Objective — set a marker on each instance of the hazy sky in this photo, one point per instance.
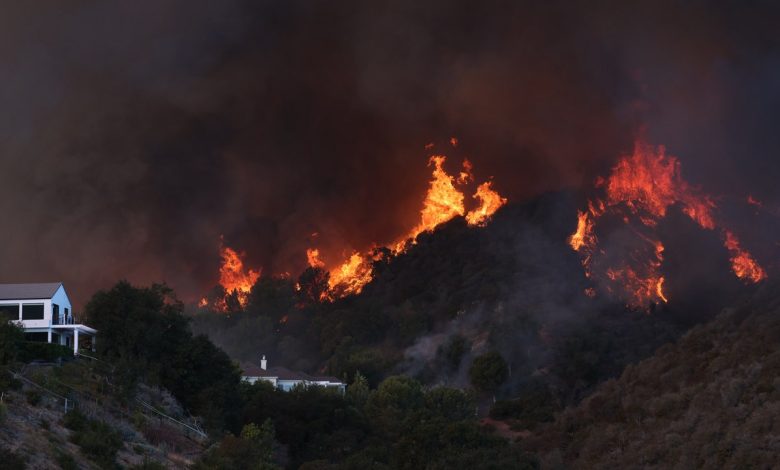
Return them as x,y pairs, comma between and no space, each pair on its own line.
134,134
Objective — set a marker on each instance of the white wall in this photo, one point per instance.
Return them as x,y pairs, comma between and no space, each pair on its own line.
60,298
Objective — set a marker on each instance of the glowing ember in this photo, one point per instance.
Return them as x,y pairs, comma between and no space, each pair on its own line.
743,264
753,201
233,277
642,187
490,202
466,176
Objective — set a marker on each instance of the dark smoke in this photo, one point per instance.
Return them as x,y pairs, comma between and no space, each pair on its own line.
133,136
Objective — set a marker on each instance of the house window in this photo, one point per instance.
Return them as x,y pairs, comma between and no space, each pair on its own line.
10,311
55,314
67,321
32,311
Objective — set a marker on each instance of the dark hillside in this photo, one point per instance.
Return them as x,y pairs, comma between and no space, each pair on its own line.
712,400
513,286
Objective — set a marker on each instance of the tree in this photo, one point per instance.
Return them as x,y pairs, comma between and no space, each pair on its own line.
394,403
144,332
313,283
11,338
358,391
488,372
252,450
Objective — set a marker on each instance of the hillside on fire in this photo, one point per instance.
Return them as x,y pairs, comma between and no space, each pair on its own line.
389,234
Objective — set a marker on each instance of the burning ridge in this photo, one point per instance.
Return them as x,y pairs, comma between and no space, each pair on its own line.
443,202
640,190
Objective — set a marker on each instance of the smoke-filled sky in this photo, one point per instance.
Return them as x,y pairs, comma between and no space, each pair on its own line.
134,134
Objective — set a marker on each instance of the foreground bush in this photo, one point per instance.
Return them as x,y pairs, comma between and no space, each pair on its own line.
97,440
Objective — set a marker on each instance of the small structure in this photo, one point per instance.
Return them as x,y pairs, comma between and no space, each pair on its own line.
45,313
285,379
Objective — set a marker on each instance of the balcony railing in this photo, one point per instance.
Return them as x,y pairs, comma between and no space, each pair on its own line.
62,319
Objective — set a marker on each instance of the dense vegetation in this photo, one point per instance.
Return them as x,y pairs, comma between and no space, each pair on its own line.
399,424
512,288
144,334
468,323
710,401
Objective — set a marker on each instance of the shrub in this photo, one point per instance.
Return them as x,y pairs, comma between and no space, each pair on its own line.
96,439
74,420
33,397
488,372
149,465
32,350
66,461
11,460
100,442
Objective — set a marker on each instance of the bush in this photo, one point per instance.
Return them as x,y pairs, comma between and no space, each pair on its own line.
100,442
149,465
33,397
66,461
33,350
74,420
488,372
11,460
96,439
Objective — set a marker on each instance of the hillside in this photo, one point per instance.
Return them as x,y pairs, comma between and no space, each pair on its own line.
513,286
711,400
104,430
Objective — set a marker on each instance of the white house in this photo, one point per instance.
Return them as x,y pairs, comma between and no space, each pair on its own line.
45,313
285,379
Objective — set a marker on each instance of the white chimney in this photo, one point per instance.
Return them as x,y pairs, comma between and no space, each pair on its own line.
263,362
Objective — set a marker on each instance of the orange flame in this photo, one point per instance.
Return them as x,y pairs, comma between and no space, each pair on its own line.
351,276
649,181
644,185
443,202
583,236
233,277
743,264
466,175
313,257
490,202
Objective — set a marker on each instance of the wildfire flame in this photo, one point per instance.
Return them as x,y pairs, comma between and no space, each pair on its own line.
644,185
490,202
233,278
745,267
443,202
313,257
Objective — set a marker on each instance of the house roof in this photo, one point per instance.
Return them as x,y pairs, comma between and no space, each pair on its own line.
45,290
281,373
